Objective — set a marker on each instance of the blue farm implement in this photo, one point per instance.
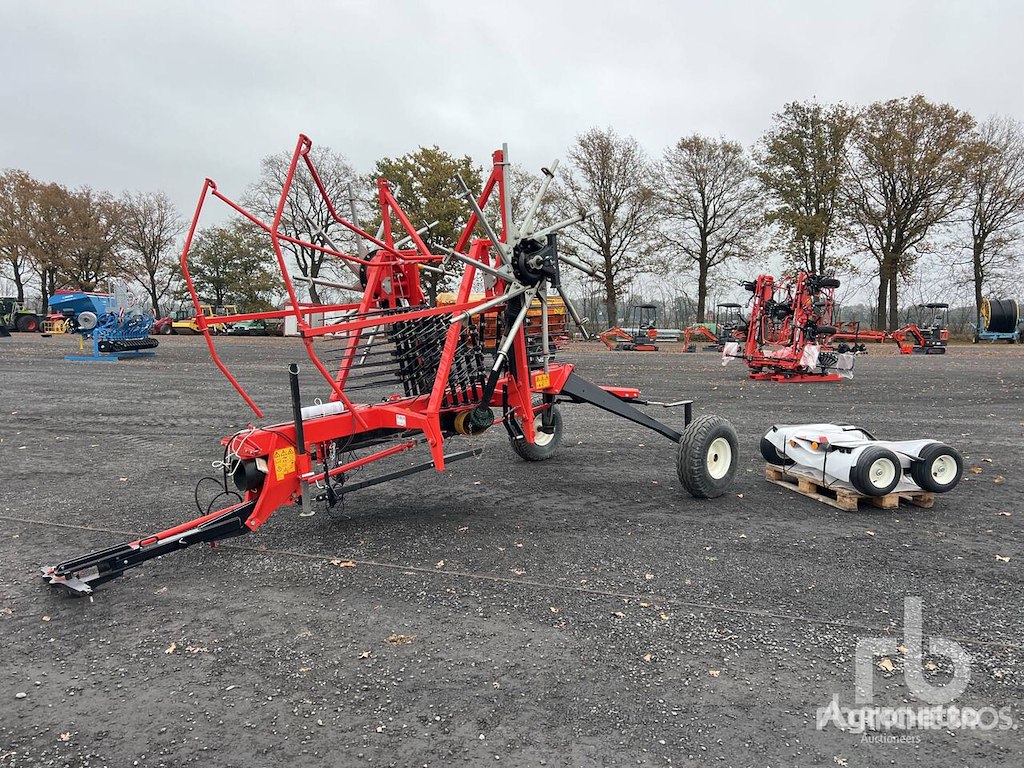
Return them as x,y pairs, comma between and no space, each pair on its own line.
113,334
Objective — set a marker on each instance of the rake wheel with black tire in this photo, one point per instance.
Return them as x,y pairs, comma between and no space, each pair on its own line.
545,444
706,458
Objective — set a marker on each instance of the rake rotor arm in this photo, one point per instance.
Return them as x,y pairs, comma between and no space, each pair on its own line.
540,234
502,273
582,266
581,322
549,175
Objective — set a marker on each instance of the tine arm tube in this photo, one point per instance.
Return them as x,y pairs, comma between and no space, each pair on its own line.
466,193
581,322
421,231
511,293
582,266
542,233
549,175
502,273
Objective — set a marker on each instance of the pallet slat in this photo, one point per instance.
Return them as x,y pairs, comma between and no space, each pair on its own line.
844,498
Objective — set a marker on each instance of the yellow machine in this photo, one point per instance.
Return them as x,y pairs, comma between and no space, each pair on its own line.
185,321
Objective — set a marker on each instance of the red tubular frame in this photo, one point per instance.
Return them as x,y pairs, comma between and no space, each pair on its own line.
785,336
392,282
275,470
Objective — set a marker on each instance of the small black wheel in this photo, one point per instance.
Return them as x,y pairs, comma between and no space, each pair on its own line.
939,469
825,330
545,444
876,472
706,459
166,330
771,454
828,282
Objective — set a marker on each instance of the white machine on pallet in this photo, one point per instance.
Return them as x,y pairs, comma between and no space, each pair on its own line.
849,454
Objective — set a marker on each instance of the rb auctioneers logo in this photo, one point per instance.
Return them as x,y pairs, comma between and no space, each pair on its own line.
938,715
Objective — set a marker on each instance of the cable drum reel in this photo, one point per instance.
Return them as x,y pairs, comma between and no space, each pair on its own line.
1000,315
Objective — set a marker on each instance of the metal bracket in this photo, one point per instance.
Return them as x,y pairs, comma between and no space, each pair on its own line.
579,390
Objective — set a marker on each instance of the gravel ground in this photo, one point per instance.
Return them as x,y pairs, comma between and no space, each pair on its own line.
581,611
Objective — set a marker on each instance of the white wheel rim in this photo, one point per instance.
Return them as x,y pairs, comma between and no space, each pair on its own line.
881,473
944,470
719,458
541,438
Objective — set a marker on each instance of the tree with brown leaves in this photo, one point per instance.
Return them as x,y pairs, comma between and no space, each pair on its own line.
18,191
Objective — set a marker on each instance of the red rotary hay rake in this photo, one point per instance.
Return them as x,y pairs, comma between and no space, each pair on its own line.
788,317
439,380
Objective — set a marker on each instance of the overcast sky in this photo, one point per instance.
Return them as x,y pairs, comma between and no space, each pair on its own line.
158,95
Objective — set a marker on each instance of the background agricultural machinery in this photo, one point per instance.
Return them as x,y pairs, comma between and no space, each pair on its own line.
14,317
640,336
426,367
1000,320
790,319
927,337
115,331
729,326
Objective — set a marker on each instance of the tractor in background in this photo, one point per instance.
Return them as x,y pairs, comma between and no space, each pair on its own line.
14,317
185,320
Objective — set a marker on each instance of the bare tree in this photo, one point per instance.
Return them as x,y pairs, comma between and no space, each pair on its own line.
909,162
235,262
151,228
802,162
306,214
610,178
995,199
17,192
713,206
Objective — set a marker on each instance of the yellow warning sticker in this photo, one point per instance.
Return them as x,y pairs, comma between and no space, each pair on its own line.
284,462
541,381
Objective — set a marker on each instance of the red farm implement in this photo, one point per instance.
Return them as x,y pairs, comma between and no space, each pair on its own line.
925,339
789,319
438,378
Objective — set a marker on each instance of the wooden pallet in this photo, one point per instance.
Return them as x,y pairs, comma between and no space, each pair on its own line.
845,499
